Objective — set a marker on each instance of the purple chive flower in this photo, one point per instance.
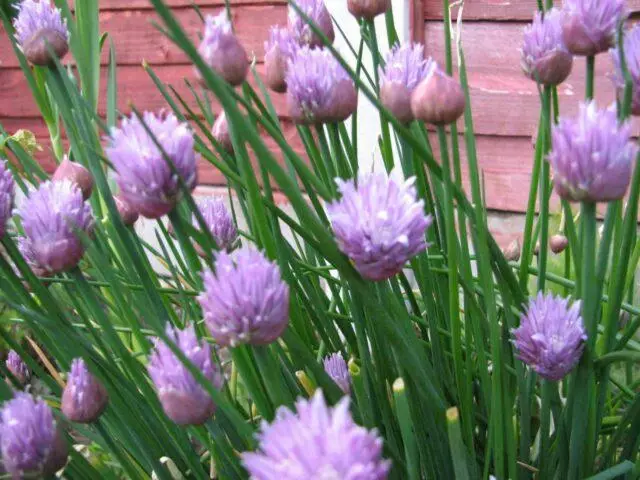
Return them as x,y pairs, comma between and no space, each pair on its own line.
31,444
589,26
405,67
278,50
143,174
84,398
222,51
316,441
379,223
438,99
545,57
53,217
39,26
319,90
183,399
7,194
17,367
592,155
551,336
318,14
245,300
632,59
337,369
219,221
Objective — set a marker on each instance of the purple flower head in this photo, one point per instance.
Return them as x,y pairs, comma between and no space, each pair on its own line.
551,336
319,90
17,367
592,155
318,14
316,441
142,172
29,439
379,223
545,57
38,26
84,398
245,300
52,217
589,26
182,397
632,59
278,50
405,67
222,51
219,221
7,194
337,369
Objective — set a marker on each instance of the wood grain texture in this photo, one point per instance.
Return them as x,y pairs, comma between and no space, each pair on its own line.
136,38
503,10
146,4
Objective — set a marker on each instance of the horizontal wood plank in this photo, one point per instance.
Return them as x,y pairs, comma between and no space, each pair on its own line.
146,4
504,101
134,86
503,10
136,39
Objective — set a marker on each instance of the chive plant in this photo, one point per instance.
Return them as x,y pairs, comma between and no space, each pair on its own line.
373,330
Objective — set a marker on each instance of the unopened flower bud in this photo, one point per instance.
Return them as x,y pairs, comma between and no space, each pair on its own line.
222,51
84,398
368,8
438,99
7,195
17,367
41,32
512,252
127,213
220,132
557,243
279,49
75,173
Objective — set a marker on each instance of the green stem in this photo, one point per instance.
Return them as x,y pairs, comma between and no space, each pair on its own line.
544,187
591,63
545,421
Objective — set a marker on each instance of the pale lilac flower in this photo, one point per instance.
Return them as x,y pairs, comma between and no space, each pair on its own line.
53,217
545,57
183,399
30,442
551,336
318,14
17,367
379,223
592,155
589,26
84,397
7,194
222,51
316,441
219,222
39,25
319,90
245,300
405,67
337,369
278,50
145,178
632,59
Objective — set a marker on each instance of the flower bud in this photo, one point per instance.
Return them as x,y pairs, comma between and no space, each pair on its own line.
279,49
75,173
7,195
368,8
220,132
438,99
41,32
84,398
222,51
17,367
512,252
128,215
557,243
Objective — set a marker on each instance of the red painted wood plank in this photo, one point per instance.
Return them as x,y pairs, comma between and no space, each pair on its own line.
136,39
134,85
504,101
146,4
496,9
